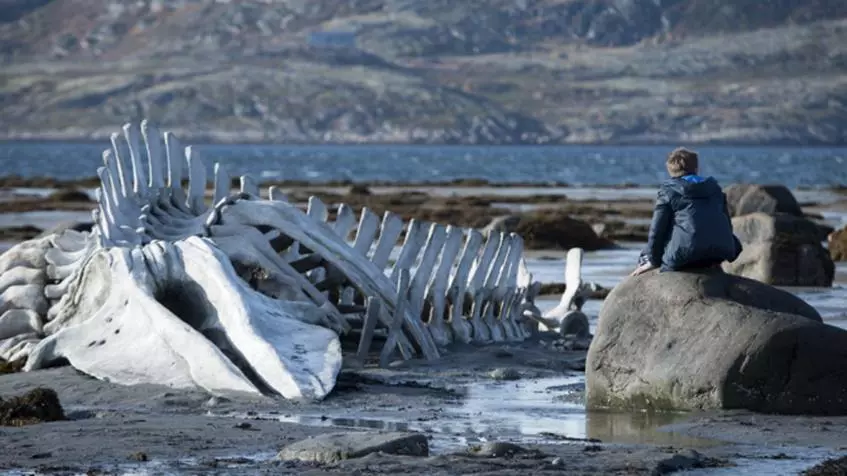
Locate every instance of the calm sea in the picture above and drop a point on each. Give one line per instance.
(575, 165)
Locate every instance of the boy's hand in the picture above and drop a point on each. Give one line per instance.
(642, 269)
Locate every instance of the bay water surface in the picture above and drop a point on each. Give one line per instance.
(571, 164)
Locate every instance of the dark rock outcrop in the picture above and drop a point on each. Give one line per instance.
(830, 467)
(685, 341)
(36, 406)
(782, 250)
(551, 231)
(70, 195)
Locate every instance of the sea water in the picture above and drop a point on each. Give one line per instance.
(571, 164)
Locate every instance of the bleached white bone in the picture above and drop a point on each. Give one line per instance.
(122, 168)
(505, 289)
(416, 236)
(19, 321)
(366, 232)
(139, 176)
(475, 288)
(462, 329)
(249, 185)
(11, 349)
(345, 220)
(153, 141)
(368, 326)
(291, 357)
(437, 290)
(398, 319)
(21, 277)
(275, 193)
(298, 265)
(223, 184)
(573, 284)
(417, 291)
(196, 181)
(320, 238)
(390, 230)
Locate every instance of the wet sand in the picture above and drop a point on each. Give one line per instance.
(456, 401)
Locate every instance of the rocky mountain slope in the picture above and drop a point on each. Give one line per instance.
(429, 71)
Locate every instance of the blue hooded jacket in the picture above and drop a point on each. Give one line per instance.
(691, 225)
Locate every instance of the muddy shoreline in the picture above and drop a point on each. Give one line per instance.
(113, 429)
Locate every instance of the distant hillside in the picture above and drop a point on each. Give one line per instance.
(431, 71)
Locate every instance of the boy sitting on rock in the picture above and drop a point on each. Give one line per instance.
(691, 226)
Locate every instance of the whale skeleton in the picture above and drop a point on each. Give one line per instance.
(229, 291)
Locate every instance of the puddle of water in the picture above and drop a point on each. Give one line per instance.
(535, 409)
(530, 411)
(782, 461)
(829, 302)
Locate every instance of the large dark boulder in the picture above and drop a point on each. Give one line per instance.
(745, 198)
(709, 340)
(782, 250)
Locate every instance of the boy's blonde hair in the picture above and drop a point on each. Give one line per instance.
(681, 162)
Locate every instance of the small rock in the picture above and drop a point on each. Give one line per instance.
(333, 447)
(782, 456)
(139, 456)
(504, 374)
(688, 459)
(69, 195)
(574, 323)
(359, 189)
(244, 426)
